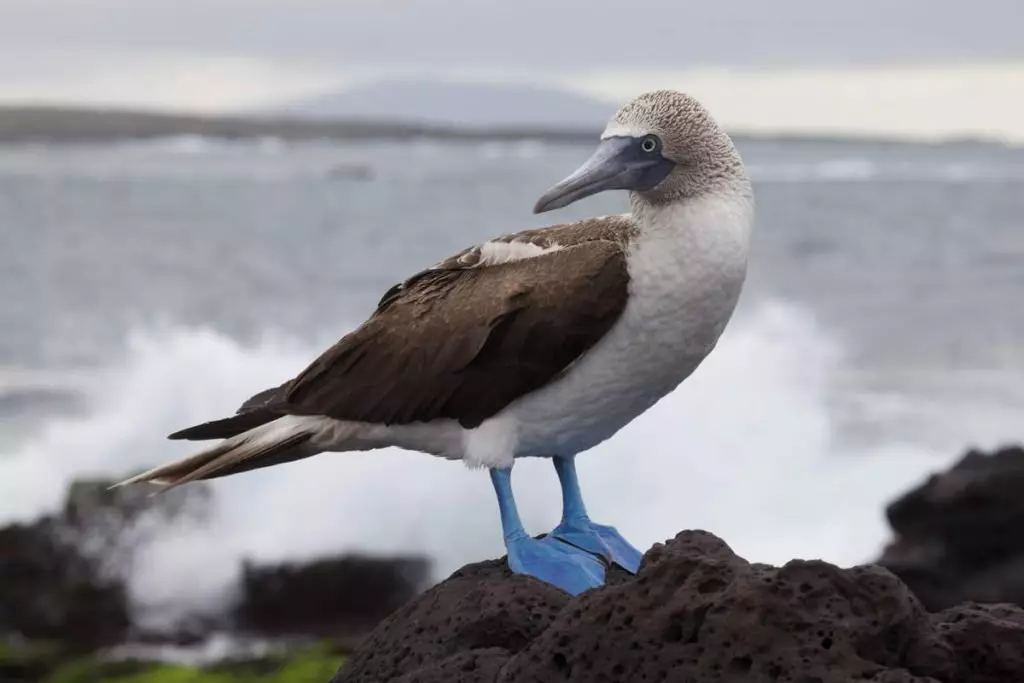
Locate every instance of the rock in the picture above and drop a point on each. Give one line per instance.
(326, 597)
(958, 535)
(981, 635)
(696, 612)
(50, 591)
(62, 579)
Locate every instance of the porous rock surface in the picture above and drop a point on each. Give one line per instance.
(696, 612)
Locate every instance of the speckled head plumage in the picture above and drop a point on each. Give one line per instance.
(663, 146)
(704, 156)
(677, 117)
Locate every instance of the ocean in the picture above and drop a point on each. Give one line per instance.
(148, 286)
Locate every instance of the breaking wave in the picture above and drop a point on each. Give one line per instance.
(745, 449)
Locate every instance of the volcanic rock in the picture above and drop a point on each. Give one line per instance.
(696, 612)
(62, 578)
(326, 597)
(960, 534)
(51, 592)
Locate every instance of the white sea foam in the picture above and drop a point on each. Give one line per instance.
(744, 449)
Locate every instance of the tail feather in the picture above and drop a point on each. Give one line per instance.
(254, 412)
(270, 444)
(227, 427)
(167, 474)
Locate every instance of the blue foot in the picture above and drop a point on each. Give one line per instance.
(603, 541)
(554, 562)
(577, 529)
(548, 559)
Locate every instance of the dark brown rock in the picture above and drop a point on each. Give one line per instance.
(696, 612)
(959, 535)
(987, 641)
(474, 665)
(482, 610)
(62, 578)
(326, 597)
(49, 591)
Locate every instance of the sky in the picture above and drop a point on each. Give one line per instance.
(225, 53)
(220, 55)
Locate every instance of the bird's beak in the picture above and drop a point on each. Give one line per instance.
(617, 164)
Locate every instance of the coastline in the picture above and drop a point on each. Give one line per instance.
(69, 125)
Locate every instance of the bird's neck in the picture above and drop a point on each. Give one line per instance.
(717, 220)
(687, 266)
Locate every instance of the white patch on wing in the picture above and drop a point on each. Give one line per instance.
(493, 253)
(492, 444)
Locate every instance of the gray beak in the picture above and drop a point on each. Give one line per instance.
(617, 164)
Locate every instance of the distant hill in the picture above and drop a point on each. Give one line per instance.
(463, 105)
(77, 124)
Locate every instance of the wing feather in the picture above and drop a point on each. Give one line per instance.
(463, 344)
(463, 339)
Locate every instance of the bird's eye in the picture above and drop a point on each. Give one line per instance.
(649, 144)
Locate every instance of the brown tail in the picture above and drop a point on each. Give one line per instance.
(227, 427)
(252, 414)
(274, 443)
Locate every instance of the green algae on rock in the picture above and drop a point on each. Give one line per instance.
(312, 665)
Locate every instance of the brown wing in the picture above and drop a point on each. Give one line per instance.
(462, 339)
(464, 343)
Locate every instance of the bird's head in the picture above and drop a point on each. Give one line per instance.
(663, 146)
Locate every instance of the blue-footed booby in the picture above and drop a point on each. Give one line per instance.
(542, 343)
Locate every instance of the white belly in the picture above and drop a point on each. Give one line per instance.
(686, 272)
(664, 334)
(684, 285)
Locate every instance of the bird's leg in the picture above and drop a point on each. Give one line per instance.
(547, 559)
(577, 529)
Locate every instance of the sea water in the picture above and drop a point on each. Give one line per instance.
(149, 286)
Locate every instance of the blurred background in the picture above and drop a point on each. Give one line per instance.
(196, 198)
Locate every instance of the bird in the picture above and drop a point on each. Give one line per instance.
(539, 343)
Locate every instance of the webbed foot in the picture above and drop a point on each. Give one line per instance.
(603, 541)
(552, 561)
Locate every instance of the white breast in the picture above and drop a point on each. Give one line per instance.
(686, 271)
